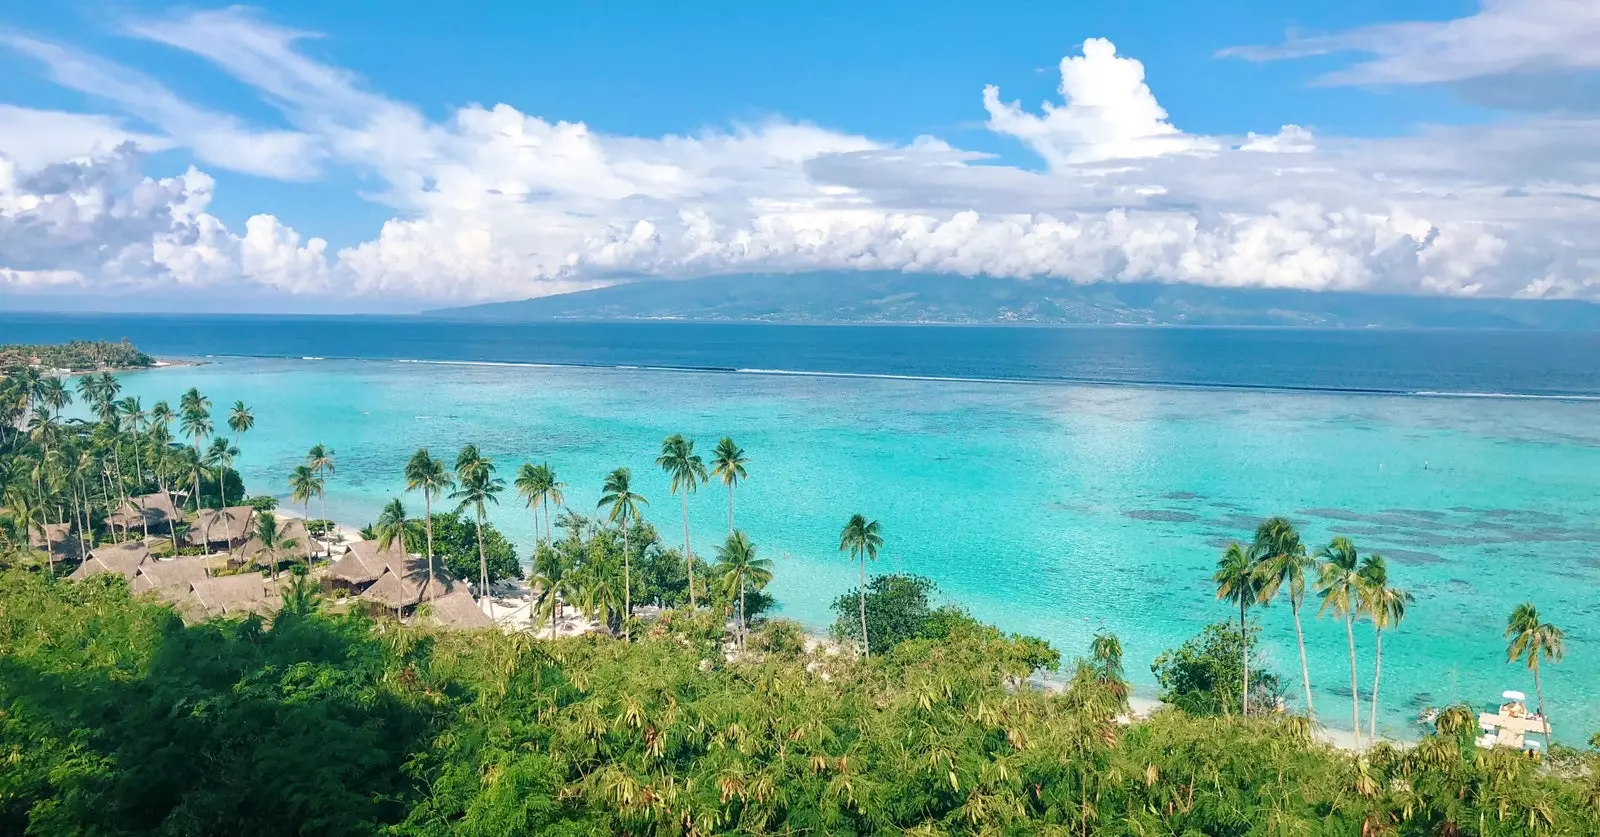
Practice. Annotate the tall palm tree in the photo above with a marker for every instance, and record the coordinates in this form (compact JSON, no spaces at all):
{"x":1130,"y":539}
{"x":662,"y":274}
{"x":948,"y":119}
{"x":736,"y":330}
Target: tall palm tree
{"x":28,"y":514}
{"x":1386,"y":607}
{"x":426,"y":474}
{"x":392,"y":525}
{"x":1533,"y":640}
{"x":727,"y":464}
{"x":625,"y":508}
{"x":220,"y":457}
{"x":271,"y":535}
{"x":740,"y":569}
{"x":478,"y":485}
{"x":1339,"y":582}
{"x":303,"y":485}
{"x":133,"y":413}
{"x":195,"y":422}
{"x":687,"y":470}
{"x":1282,"y":562}
{"x":1237,"y":582}
{"x":862,"y":539}
{"x":320,"y":458}
{"x":550,"y":494}
{"x":241,"y":421}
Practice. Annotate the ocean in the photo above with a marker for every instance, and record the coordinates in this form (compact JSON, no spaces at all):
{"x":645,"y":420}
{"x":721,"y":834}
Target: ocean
{"x":1055,"y":481}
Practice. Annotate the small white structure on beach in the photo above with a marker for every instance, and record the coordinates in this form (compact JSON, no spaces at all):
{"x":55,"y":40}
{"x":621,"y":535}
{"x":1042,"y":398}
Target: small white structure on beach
{"x":1511,"y":724}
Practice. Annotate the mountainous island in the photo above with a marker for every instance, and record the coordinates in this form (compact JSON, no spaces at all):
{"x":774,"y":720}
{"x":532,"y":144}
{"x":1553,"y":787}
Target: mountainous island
{"x":854,"y":297}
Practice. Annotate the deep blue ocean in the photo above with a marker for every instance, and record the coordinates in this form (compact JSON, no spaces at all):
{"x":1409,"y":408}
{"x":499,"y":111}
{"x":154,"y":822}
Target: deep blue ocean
{"x":1096,"y":496}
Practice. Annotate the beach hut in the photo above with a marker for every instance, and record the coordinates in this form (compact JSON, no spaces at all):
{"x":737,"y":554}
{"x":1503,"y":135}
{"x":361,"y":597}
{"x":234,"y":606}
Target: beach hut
{"x":455,"y":609}
{"x":122,"y":558}
{"x":56,"y":539}
{"x":221,"y":529}
{"x":362,"y":564}
{"x":170,"y":579}
{"x":231,"y":595}
{"x":150,"y":512}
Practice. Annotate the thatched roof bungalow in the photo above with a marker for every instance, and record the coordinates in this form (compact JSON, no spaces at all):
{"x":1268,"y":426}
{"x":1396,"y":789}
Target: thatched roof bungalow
{"x":155,"y":511}
{"x":57,"y":538}
{"x":122,"y":558}
{"x":456,"y":609}
{"x":233,"y":594}
{"x":292,"y":529}
{"x":171,"y":579}
{"x":363,"y":563}
{"x":221,"y":528}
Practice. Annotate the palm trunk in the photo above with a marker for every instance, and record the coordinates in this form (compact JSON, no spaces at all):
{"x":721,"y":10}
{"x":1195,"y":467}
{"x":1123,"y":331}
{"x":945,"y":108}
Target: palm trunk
{"x":427,"y":525}
{"x":172,"y":523}
{"x":222,"y":497}
{"x":483,"y":565}
{"x":308,"y":533}
{"x":1377,"y":672}
{"x":1244,"y":646}
{"x":1538,"y":688}
{"x":744,"y":626}
{"x":730,"y":509}
{"x":1355,"y":694}
{"x":861,"y":598}
{"x":1305,"y":673}
{"x":688,"y":554}
{"x":627,"y":584}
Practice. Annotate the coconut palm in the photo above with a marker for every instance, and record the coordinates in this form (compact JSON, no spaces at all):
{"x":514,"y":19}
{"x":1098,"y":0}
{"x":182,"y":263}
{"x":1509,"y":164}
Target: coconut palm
{"x":1533,"y":640}
{"x":537,"y":483}
{"x":741,"y":570}
{"x":241,"y":421}
{"x":687,"y":470}
{"x":1339,"y":582}
{"x":1238,"y":583}
{"x":426,"y":474}
{"x":1386,"y":607}
{"x":392,"y":525}
{"x":1282,"y":563}
{"x":195,"y":422}
{"x":320,"y":458}
{"x":478,"y":486}
{"x":558,"y":588}
{"x":271,"y":536}
{"x":727,"y":464}
{"x":862,"y":539}
{"x":29,"y":516}
{"x":626,"y":509}
{"x":137,"y":419}
{"x":220,"y":457}
{"x":303,"y":485}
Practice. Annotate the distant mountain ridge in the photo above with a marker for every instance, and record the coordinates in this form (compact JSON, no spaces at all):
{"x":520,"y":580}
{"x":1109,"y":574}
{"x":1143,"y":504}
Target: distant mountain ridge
{"x":844,"y":297}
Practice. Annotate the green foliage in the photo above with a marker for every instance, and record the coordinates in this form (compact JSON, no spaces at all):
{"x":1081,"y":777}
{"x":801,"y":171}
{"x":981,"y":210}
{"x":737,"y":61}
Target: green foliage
{"x":263,"y":503}
{"x":455,"y":543}
{"x":897,"y":610}
{"x":1204,"y":675}
{"x":76,"y":355}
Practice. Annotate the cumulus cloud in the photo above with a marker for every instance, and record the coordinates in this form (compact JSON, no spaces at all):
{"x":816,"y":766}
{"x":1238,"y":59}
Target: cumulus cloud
{"x":494,"y":203}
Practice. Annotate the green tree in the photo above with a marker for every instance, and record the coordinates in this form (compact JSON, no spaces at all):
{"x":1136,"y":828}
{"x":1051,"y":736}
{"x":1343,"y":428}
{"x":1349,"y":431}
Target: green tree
{"x":897,"y":609}
{"x":1237,"y":582}
{"x":1282,"y":565}
{"x":428,"y":475}
{"x":1385,"y":605}
{"x":1339,"y":582}
{"x":1533,"y":640}
{"x":727,"y":464}
{"x":478,"y":486}
{"x":273,"y":541}
{"x":320,"y":458}
{"x":862,"y":539}
{"x":687,"y":471}
{"x":741,"y":570}
{"x":393,"y":526}
{"x":538,"y":485}
{"x":195,"y":421}
{"x":624,"y":508}
{"x":1200,"y":676}
{"x":303,"y":485}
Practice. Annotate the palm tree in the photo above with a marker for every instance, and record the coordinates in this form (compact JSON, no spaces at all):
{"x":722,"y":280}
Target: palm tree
{"x":320,"y":459}
{"x":1339,"y":581}
{"x":479,"y":485}
{"x":862,"y":540}
{"x":303,"y":485}
{"x":1386,"y":607}
{"x":1237,"y":582}
{"x":241,"y":421}
{"x":28,"y":514}
{"x":392,"y":525}
{"x":727,"y":463}
{"x":195,"y":422}
{"x":741,"y":570}
{"x":272,"y":538}
{"x":220,"y":457}
{"x":558,"y":588}
{"x":1533,"y":640}
{"x":625,"y":511}
{"x":687,"y":470}
{"x":426,"y":474}
{"x":133,"y":412}
{"x":1281,"y":561}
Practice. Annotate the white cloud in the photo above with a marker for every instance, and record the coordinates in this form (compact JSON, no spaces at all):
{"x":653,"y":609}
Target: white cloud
{"x":1505,"y":37}
{"x":33,"y":139}
{"x":494,"y":203}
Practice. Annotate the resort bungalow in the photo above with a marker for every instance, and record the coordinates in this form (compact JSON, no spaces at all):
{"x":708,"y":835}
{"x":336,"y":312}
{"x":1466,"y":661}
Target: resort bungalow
{"x":56,"y":540}
{"x":221,"y":530}
{"x":391,"y":581}
{"x":150,"y":513}
{"x":232,"y":595}
{"x":170,"y":579}
{"x":293,"y":529}
{"x":122,"y":558}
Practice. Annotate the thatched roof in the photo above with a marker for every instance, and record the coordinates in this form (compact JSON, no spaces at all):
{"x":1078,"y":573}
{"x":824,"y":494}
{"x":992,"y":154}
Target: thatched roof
{"x":55,"y":534}
{"x":363,"y":562}
{"x":292,"y":529}
{"x":151,"y":509}
{"x":456,"y":609}
{"x":405,"y":583}
{"x":124,"y":558}
{"x":171,"y":578}
{"x":226,"y":525}
{"x":231,"y":594}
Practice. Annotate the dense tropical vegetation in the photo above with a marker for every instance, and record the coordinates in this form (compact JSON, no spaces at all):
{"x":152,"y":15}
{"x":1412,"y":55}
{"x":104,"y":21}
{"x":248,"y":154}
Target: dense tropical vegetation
{"x":682,"y":708}
{"x":75,"y":356}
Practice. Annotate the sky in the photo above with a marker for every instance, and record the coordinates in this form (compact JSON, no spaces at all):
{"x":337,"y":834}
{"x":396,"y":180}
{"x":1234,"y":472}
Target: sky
{"x":359,"y":156}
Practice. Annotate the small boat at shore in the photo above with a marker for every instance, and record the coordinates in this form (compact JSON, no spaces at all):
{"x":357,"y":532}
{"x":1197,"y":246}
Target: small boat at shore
{"x":1510,"y":725}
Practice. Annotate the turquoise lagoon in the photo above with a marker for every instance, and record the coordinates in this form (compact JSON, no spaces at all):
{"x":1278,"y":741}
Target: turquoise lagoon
{"x":1051,"y":509}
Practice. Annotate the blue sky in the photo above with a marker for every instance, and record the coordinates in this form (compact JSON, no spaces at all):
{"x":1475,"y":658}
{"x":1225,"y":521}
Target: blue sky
{"x":872,"y":78}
